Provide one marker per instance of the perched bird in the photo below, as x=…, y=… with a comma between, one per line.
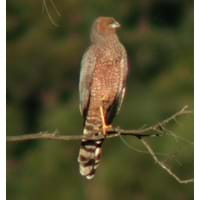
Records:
x=101, y=88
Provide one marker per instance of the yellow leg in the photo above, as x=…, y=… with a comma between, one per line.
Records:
x=104, y=126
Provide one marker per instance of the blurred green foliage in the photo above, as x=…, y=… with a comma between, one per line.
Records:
x=43, y=63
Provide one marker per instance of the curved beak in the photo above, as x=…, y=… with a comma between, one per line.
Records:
x=115, y=25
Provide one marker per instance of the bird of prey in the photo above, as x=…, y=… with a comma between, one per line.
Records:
x=101, y=89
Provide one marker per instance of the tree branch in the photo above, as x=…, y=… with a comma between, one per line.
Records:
x=157, y=129
x=163, y=166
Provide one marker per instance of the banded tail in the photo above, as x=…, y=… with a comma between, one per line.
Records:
x=90, y=152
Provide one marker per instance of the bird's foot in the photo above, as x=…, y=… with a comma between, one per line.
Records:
x=106, y=128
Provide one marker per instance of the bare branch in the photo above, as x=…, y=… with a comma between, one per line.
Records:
x=163, y=166
x=155, y=130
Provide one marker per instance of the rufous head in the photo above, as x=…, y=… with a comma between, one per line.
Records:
x=103, y=27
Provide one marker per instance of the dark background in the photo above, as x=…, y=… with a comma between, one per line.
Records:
x=43, y=64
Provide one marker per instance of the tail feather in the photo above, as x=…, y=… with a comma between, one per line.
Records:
x=89, y=156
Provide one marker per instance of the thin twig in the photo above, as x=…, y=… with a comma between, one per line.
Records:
x=155, y=130
x=48, y=13
x=163, y=166
x=146, y=152
x=55, y=8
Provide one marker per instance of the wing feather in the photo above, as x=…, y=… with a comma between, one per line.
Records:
x=124, y=73
x=116, y=105
x=87, y=68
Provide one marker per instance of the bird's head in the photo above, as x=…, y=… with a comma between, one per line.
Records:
x=104, y=26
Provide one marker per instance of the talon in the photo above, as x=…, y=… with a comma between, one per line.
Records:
x=106, y=128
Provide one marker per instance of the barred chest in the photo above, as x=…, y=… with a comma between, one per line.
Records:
x=107, y=73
